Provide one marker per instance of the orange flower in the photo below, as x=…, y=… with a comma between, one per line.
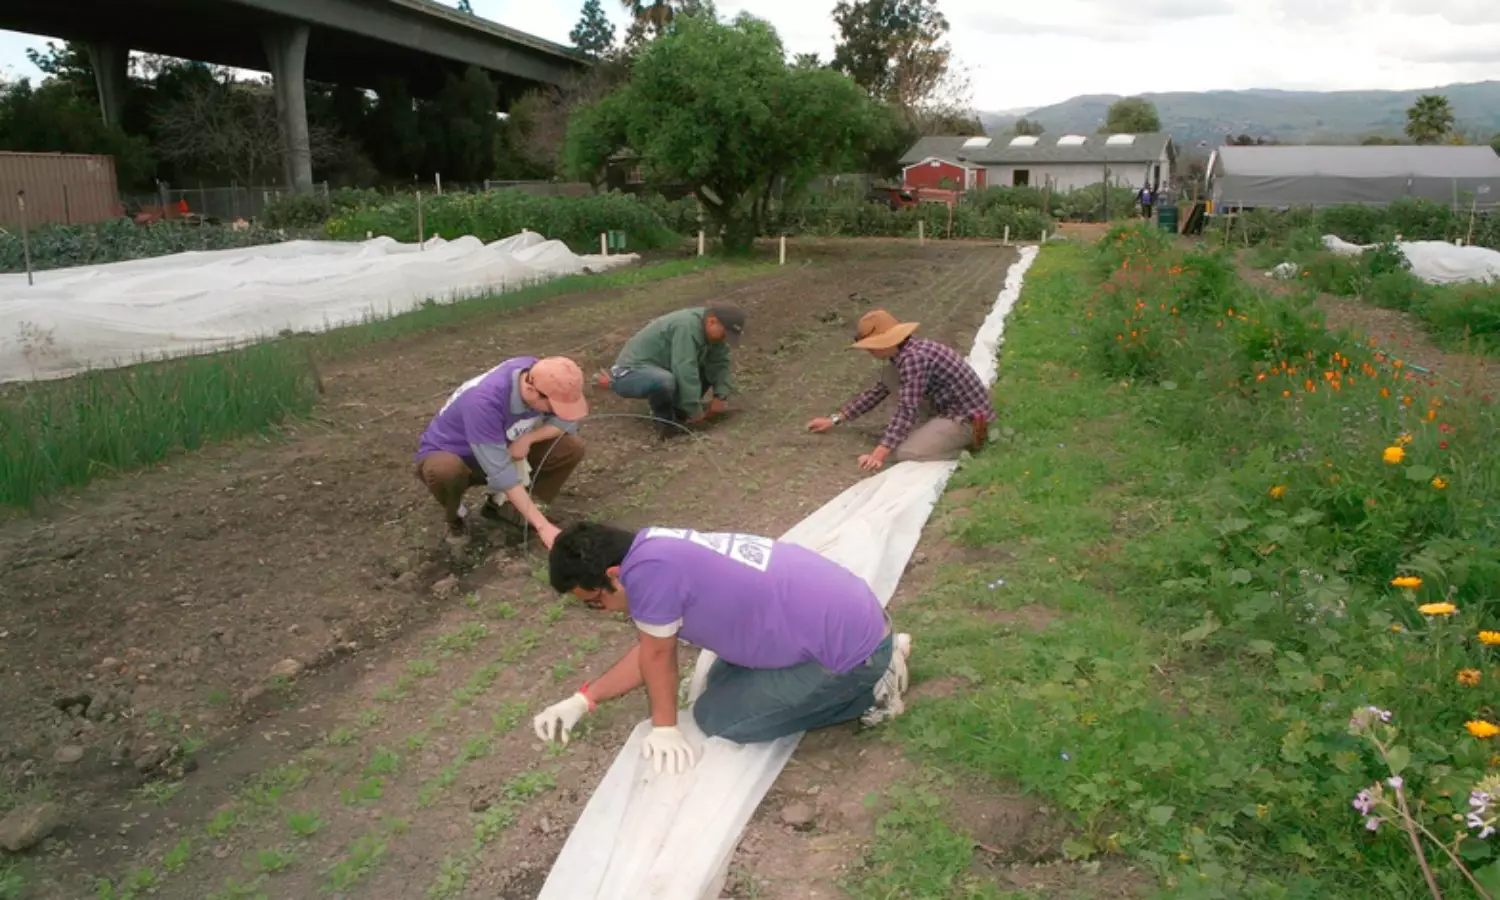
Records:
x=1410, y=582
x=1278, y=491
x=1490, y=638
x=1468, y=677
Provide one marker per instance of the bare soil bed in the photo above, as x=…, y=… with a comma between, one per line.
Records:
x=254, y=671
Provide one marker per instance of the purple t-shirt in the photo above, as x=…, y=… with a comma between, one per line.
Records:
x=483, y=416
x=757, y=603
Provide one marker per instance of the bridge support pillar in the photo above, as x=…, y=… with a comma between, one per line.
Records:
x=286, y=51
x=110, y=60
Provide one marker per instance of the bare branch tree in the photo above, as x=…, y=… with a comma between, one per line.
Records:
x=233, y=129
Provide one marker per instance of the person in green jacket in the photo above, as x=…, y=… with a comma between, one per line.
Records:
x=673, y=361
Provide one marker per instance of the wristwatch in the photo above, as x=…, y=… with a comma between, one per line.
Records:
x=835, y=418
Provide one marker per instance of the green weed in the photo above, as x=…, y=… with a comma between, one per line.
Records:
x=364, y=854
x=179, y=856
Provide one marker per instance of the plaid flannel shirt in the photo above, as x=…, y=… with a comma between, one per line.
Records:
x=930, y=370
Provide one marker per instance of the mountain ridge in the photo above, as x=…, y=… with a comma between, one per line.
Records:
x=1206, y=119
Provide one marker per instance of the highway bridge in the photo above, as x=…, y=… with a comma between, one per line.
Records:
x=348, y=42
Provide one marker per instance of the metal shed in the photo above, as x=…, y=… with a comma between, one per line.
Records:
x=1281, y=177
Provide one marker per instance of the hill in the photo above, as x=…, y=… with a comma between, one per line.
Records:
x=1290, y=116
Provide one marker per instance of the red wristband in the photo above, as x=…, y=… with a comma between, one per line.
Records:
x=585, y=692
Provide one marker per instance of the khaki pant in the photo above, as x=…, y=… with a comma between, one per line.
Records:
x=448, y=475
x=937, y=438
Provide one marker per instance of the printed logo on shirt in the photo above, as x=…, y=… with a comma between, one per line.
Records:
x=465, y=388
x=746, y=549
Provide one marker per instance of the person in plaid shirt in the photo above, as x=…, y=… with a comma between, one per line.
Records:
x=925, y=375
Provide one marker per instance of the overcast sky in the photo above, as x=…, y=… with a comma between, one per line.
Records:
x=1033, y=54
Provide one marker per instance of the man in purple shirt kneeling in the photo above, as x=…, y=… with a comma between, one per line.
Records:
x=525, y=410
x=802, y=641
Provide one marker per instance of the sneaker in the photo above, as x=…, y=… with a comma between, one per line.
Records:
x=888, y=701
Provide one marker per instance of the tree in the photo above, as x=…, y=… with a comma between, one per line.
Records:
x=1025, y=126
x=461, y=125
x=1131, y=115
x=1429, y=120
x=538, y=124
x=1495, y=143
x=67, y=62
x=54, y=118
x=595, y=33
x=714, y=106
x=894, y=49
x=393, y=132
x=1380, y=140
x=232, y=130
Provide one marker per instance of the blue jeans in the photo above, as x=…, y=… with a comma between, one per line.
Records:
x=749, y=705
x=656, y=386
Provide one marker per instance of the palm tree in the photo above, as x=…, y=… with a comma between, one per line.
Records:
x=1430, y=119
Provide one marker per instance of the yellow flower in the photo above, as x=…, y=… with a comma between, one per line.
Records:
x=1397, y=627
x=1437, y=609
x=1481, y=729
x=1403, y=440
x=1468, y=677
x=1411, y=582
x=1440, y=483
x=1393, y=455
x=1262, y=810
x=1490, y=638
x=1278, y=492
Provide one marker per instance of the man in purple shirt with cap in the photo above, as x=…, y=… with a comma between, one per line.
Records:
x=523, y=411
x=802, y=641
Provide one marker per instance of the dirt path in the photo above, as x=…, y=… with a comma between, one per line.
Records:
x=398, y=762
x=1399, y=334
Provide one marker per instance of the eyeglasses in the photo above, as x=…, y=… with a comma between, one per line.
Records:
x=539, y=392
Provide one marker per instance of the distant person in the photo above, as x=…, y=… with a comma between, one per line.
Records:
x=498, y=429
x=675, y=360
x=1146, y=198
x=802, y=642
x=925, y=375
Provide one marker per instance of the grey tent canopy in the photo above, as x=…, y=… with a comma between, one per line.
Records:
x=1281, y=177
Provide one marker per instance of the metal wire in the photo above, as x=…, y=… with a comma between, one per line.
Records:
x=526, y=524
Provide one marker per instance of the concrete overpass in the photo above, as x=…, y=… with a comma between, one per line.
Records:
x=349, y=42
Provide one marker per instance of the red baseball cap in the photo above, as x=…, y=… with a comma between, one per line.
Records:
x=561, y=381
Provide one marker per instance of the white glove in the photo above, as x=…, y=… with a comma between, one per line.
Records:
x=669, y=749
x=559, y=718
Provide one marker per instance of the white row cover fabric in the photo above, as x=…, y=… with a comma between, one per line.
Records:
x=114, y=314
x=1435, y=262
x=670, y=837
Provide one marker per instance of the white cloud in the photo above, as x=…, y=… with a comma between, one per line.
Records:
x=1020, y=55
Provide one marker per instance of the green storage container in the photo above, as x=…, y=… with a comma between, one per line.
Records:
x=1166, y=217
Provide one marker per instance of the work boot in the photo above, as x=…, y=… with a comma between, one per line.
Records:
x=457, y=536
x=888, y=701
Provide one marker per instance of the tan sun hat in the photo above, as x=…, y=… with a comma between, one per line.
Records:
x=879, y=330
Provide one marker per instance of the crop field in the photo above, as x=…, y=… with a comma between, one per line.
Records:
x=1213, y=617
x=292, y=688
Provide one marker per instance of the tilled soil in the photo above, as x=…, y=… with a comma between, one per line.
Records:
x=254, y=671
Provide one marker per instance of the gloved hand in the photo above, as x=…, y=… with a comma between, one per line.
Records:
x=669, y=749
x=559, y=718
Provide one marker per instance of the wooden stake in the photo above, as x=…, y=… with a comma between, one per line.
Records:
x=700, y=242
x=421, y=225
x=1007, y=235
x=25, y=236
x=783, y=250
x=438, y=176
x=921, y=232
x=603, y=243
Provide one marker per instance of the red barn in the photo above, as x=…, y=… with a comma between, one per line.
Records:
x=937, y=172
